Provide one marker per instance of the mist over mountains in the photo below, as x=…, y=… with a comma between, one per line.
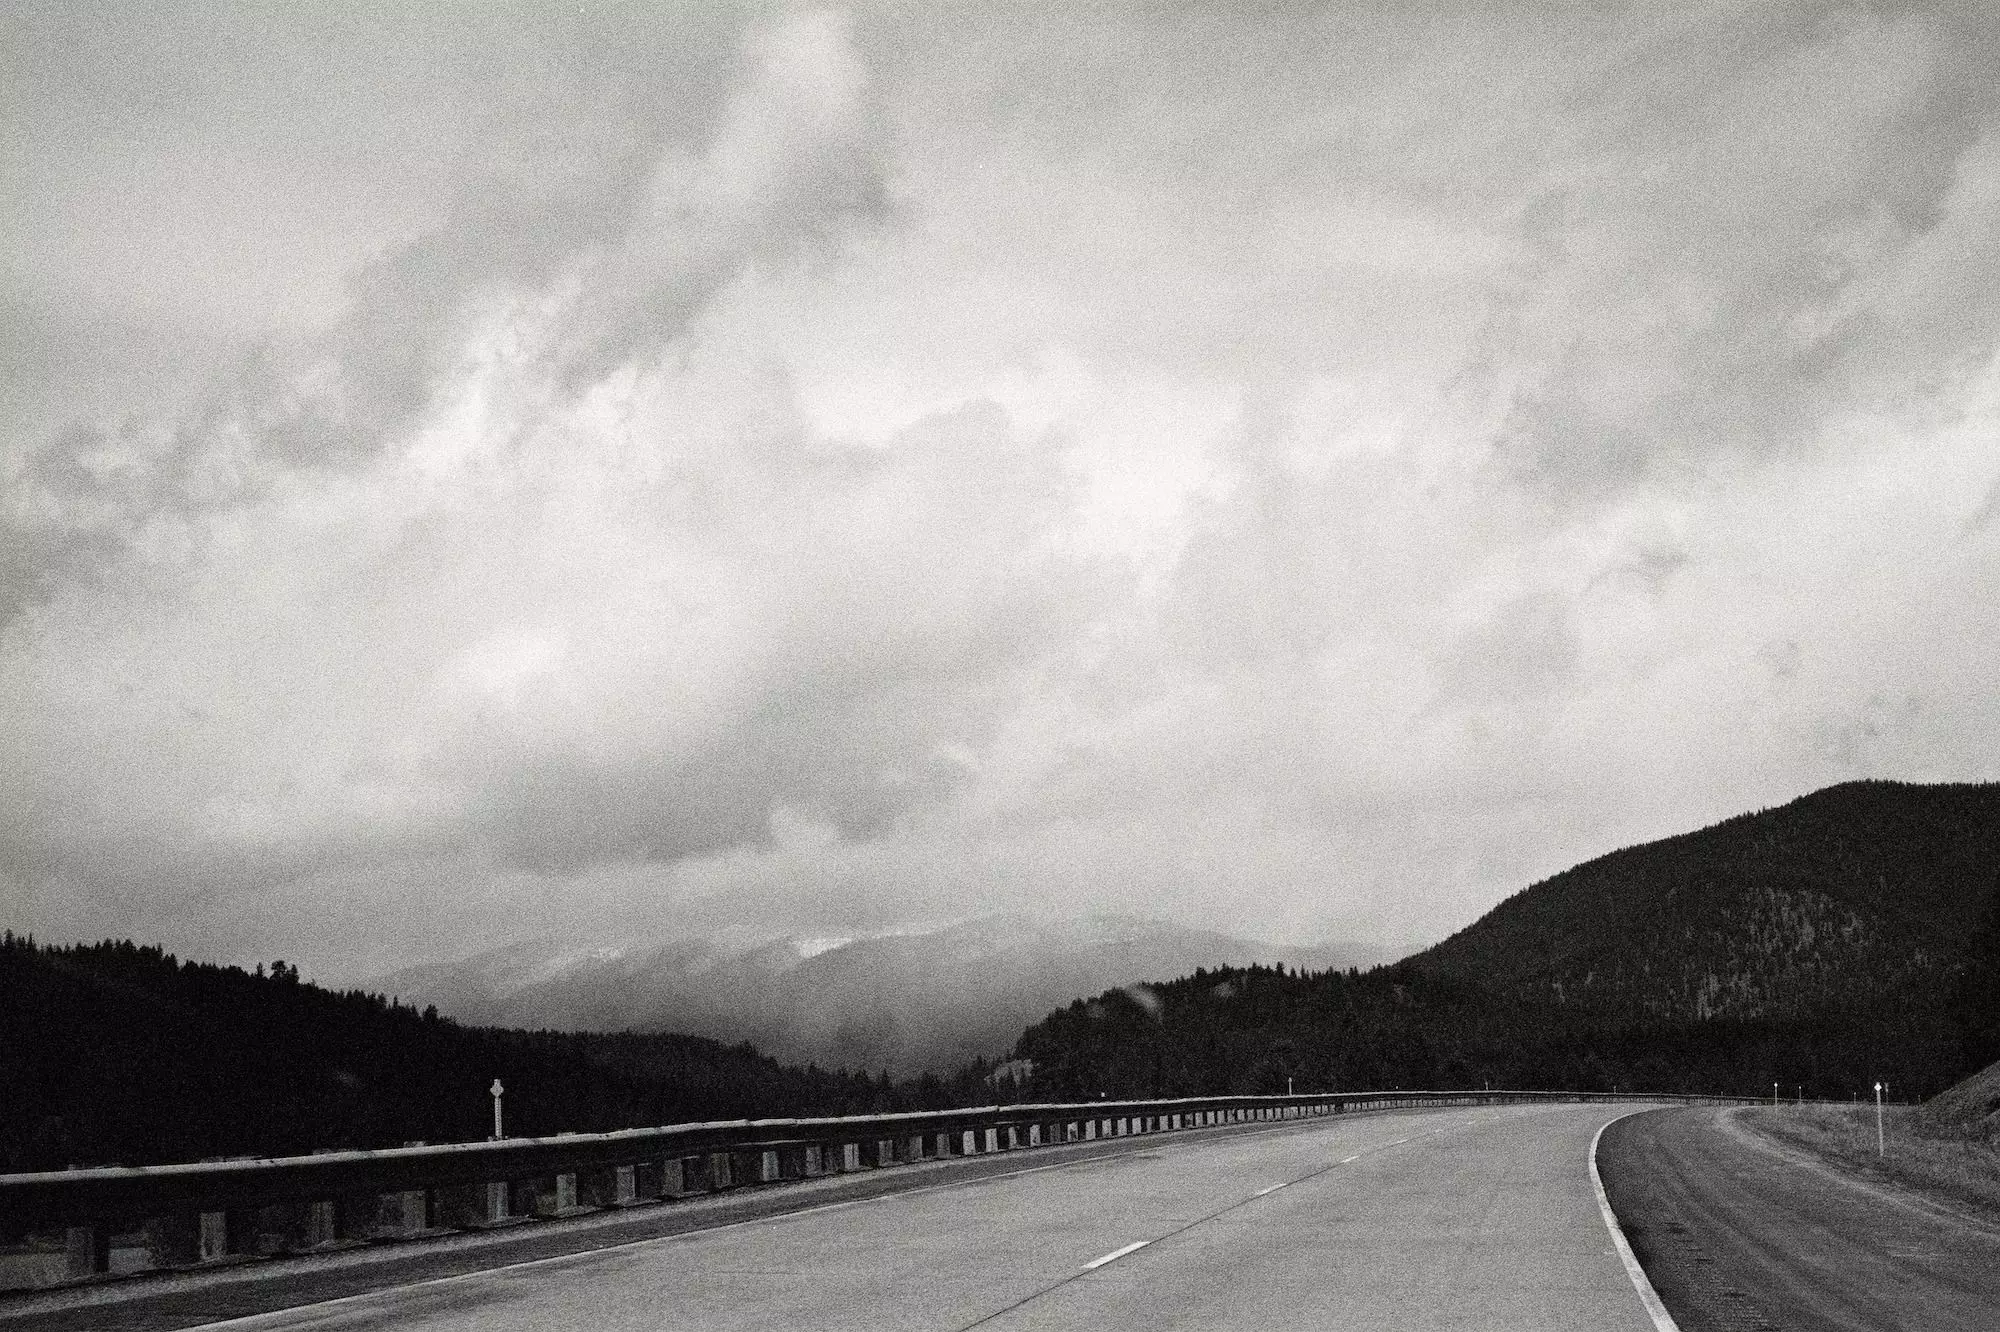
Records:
x=908, y=1001
x=1848, y=936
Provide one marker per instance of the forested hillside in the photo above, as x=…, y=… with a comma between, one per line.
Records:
x=1851, y=935
x=1853, y=897
x=119, y=1053
x=1244, y=1031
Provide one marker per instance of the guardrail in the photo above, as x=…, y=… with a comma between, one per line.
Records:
x=214, y=1212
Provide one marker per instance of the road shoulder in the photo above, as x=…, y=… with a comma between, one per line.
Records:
x=1739, y=1236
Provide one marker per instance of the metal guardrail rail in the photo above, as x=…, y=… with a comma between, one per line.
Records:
x=210, y=1212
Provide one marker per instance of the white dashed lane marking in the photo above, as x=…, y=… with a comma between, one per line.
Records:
x=1115, y=1255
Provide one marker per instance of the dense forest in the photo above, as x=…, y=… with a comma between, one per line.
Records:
x=1850, y=935
x=1856, y=896
x=1249, y=1030
x=116, y=1053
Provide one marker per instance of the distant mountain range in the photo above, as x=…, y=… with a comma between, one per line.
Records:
x=908, y=1001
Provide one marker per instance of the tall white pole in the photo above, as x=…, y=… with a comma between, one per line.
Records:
x=496, y=1089
x=1879, y=1148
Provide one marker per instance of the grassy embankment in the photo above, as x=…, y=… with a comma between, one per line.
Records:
x=1947, y=1149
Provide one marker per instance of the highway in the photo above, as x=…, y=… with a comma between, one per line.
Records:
x=1740, y=1233
x=1453, y=1219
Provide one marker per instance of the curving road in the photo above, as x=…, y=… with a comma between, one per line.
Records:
x=1455, y=1219
x=1743, y=1235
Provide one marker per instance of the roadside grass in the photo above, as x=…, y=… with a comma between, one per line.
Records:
x=1922, y=1156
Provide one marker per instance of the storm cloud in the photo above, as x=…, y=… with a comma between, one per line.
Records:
x=1308, y=470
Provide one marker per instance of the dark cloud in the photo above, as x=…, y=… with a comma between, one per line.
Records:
x=1313, y=466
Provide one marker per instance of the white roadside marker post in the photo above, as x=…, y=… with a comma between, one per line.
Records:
x=496, y=1089
x=1879, y=1147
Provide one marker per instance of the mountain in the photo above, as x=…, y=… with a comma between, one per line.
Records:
x=1850, y=935
x=1852, y=898
x=908, y=1001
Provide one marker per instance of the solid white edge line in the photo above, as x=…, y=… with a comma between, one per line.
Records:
x=1115, y=1255
x=1650, y=1298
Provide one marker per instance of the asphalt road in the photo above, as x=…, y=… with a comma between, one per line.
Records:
x=1739, y=1235
x=1437, y=1220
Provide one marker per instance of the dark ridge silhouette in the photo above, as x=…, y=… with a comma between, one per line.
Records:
x=117, y=1053
x=1853, y=897
x=1851, y=935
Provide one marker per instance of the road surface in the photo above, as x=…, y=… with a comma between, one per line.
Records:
x=1737, y=1233
x=1437, y=1220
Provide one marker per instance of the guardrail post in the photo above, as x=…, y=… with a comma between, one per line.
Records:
x=992, y=1140
x=968, y=1143
x=405, y=1213
x=415, y=1207
x=721, y=1172
x=223, y=1235
x=86, y=1251
x=625, y=1186
x=323, y=1224
x=916, y=1147
x=850, y=1156
x=1034, y=1135
x=943, y=1145
x=885, y=1151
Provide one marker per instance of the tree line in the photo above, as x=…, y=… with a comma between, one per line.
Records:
x=119, y=1053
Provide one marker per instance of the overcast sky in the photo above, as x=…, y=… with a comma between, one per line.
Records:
x=1306, y=470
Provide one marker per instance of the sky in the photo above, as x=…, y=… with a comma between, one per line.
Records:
x=472, y=472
